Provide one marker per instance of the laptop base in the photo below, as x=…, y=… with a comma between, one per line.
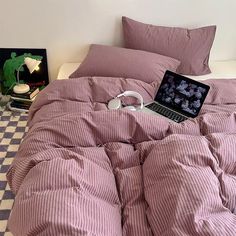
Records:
x=155, y=108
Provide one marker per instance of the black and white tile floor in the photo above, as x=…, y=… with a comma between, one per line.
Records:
x=13, y=126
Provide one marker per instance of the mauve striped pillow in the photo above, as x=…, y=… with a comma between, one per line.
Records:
x=121, y=62
x=191, y=47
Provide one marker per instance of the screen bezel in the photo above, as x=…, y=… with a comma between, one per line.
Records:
x=179, y=77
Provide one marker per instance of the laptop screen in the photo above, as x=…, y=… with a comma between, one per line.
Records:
x=181, y=94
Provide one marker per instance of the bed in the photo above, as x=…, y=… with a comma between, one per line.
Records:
x=85, y=170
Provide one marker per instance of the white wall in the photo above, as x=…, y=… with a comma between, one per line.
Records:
x=66, y=28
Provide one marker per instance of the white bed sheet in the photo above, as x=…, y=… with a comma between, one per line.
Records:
x=220, y=70
x=67, y=69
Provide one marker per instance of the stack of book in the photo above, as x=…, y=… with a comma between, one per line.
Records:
x=22, y=102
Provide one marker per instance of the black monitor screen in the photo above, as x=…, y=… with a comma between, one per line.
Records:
x=181, y=94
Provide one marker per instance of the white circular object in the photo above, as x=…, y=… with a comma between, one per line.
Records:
x=21, y=88
x=114, y=104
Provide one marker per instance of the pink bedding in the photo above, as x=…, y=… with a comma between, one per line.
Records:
x=84, y=170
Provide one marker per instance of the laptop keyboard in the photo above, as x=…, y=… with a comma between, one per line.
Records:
x=166, y=112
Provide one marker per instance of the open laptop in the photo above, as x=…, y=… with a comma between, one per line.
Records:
x=178, y=98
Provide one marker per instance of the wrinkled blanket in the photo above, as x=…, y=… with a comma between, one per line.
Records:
x=84, y=170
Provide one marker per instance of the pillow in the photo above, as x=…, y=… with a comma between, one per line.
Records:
x=190, y=46
x=121, y=62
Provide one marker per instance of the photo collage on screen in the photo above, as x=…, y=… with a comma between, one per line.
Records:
x=181, y=94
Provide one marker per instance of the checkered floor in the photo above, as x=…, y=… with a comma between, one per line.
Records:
x=12, y=129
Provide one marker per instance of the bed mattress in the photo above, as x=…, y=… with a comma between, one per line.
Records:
x=220, y=70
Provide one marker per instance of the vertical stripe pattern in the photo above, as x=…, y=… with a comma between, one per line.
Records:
x=84, y=170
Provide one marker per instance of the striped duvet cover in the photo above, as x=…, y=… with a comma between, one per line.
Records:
x=84, y=170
